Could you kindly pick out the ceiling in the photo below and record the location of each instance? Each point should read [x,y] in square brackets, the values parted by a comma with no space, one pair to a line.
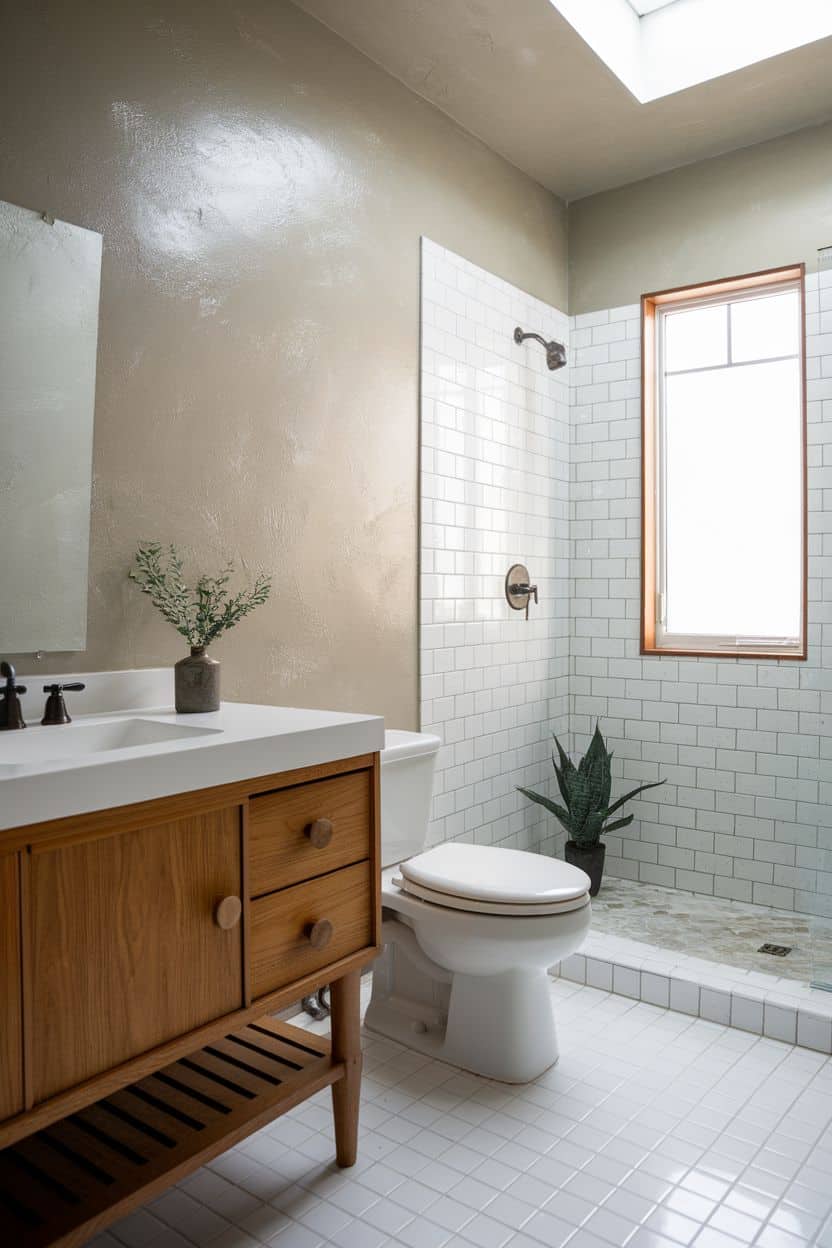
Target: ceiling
[515,73]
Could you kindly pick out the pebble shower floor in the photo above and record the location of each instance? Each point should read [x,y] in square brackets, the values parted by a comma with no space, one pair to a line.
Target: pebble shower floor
[655,1129]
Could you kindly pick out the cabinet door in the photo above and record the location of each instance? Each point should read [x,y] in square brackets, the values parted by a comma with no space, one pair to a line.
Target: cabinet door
[11,1038]
[126,951]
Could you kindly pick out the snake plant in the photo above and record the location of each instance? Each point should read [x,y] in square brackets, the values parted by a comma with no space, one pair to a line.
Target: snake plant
[585,790]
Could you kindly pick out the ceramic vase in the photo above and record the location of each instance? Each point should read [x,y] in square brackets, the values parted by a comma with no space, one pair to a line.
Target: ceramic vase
[197,683]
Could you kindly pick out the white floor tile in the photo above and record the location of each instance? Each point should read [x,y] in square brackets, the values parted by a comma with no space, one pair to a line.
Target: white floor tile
[655,1130]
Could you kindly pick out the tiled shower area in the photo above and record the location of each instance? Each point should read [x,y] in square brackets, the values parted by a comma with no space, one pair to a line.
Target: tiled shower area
[494,492]
[734,851]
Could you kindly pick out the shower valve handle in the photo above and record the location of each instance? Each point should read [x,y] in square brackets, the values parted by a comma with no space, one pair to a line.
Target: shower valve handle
[530,591]
[519,590]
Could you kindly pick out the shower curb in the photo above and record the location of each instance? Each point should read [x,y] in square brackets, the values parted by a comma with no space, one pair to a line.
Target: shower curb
[794,1014]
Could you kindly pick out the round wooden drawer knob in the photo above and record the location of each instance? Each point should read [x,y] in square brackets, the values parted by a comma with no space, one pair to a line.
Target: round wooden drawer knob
[319,833]
[227,912]
[319,934]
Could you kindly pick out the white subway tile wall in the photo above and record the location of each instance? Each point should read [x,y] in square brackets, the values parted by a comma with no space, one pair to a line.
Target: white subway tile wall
[494,491]
[745,747]
[523,464]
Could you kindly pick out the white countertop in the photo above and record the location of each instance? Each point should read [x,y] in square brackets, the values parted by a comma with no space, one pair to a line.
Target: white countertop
[243,742]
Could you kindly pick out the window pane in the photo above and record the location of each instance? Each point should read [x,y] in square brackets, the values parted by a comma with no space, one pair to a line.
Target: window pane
[761,328]
[696,338]
[733,501]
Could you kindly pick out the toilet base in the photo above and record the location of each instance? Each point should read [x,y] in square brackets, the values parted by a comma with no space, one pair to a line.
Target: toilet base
[498,1026]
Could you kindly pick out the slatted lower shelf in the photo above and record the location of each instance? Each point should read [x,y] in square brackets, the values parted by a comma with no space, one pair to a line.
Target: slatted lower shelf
[66,1182]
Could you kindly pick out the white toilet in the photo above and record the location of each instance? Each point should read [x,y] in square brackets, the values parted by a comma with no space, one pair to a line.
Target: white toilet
[469,933]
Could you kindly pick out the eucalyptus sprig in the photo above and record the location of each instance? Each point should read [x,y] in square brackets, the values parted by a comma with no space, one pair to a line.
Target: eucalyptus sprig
[200,614]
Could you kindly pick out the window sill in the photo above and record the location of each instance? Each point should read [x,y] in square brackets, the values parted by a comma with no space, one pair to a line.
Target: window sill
[690,653]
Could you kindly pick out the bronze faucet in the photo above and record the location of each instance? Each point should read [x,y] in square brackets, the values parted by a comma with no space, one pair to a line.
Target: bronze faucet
[11,714]
[56,712]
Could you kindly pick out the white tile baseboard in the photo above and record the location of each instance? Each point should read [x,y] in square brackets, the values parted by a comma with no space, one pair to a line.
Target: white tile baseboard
[762,1004]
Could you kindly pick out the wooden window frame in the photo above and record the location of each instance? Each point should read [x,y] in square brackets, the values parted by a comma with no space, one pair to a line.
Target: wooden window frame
[650,304]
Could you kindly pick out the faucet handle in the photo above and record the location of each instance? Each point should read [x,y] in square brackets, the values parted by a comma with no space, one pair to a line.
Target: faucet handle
[55,711]
[531,592]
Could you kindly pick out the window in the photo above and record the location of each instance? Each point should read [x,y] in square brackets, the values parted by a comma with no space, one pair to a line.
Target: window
[724,468]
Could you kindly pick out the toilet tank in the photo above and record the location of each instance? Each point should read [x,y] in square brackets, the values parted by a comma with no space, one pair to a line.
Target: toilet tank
[407,765]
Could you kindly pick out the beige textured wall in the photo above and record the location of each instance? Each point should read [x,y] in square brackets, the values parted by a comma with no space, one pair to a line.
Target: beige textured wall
[261,188]
[756,208]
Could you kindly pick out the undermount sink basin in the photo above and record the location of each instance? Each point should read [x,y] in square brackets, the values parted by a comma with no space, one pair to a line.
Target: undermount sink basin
[52,744]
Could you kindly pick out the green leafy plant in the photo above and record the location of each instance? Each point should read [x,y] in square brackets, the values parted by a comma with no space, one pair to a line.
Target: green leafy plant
[585,790]
[200,613]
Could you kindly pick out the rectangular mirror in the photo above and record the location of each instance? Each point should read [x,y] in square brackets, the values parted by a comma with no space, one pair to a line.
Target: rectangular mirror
[50,277]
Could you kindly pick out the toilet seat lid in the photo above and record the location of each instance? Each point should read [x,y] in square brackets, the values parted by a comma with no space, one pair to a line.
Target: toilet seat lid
[493,875]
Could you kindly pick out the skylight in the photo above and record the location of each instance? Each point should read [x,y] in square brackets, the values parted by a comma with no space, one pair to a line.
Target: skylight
[658,47]
[649,6]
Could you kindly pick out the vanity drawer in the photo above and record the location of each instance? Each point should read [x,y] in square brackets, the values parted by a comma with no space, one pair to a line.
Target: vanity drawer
[284,946]
[302,832]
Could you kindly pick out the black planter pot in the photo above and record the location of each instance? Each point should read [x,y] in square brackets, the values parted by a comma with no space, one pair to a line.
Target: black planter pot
[590,860]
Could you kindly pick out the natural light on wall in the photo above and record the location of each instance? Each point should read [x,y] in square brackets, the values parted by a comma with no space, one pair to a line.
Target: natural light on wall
[657,47]
[724,469]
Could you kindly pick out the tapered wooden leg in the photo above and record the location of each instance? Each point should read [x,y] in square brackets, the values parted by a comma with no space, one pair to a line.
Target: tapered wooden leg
[346,1048]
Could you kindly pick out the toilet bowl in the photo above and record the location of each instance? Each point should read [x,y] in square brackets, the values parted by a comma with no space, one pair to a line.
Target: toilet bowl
[469,933]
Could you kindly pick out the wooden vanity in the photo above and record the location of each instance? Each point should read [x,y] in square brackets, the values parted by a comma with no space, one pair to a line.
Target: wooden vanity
[143,953]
